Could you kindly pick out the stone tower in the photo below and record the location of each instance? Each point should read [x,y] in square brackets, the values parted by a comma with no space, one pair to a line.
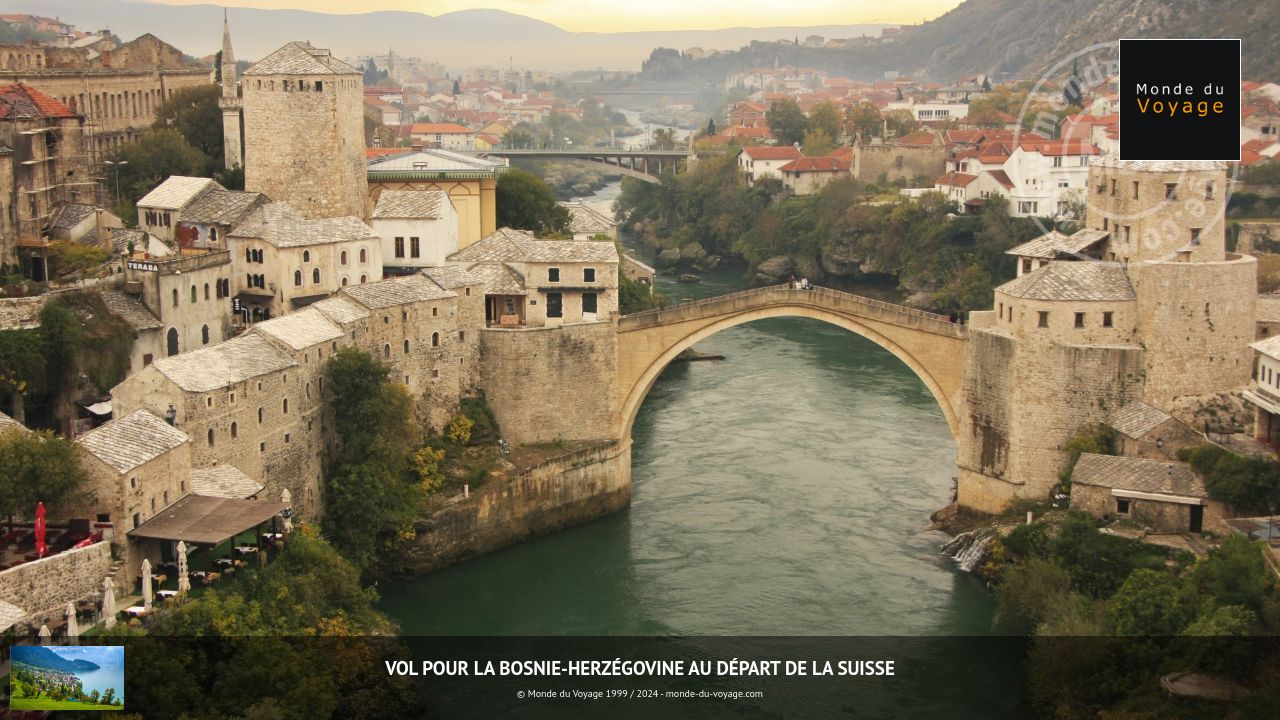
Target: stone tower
[232,142]
[304,132]
[1144,303]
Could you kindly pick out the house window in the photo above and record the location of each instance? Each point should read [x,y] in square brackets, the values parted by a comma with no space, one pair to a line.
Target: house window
[1195,236]
[555,305]
[1057,161]
[1113,188]
[259,416]
[1208,191]
[406,347]
[415,249]
[172,341]
[435,339]
[589,302]
[235,431]
[206,291]
[364,279]
[399,247]
[1044,318]
[306,256]
[588,275]
[1170,191]
[1107,319]
[1026,265]
[315,276]
[285,406]
[175,297]
[297,278]
[362,257]
[262,447]
[193,293]
[1122,506]
[1079,319]
[286,438]
[1135,189]
[204,335]
[553,275]
[137,519]
[1027,207]
[386,350]
[210,437]
[342,257]
[435,312]
[435,373]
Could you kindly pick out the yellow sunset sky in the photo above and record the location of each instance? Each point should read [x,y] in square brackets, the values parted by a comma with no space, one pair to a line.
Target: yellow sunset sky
[626,15]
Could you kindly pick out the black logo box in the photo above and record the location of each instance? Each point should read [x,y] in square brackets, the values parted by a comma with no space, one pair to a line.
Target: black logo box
[1194,65]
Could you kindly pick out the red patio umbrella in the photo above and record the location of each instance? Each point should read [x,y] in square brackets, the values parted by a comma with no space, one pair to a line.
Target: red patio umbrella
[41,548]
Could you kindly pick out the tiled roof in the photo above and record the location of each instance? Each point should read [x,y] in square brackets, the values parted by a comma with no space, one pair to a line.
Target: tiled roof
[771,152]
[451,277]
[175,192]
[1269,347]
[8,423]
[68,215]
[499,279]
[434,160]
[440,129]
[919,138]
[1138,475]
[1086,280]
[129,309]
[127,442]
[507,245]
[280,225]
[1267,308]
[300,58]
[397,291]
[585,219]
[223,481]
[956,179]
[1053,243]
[1001,177]
[226,363]
[23,101]
[300,330]
[632,261]
[121,237]
[1114,161]
[341,309]
[825,163]
[424,204]
[1137,419]
[222,207]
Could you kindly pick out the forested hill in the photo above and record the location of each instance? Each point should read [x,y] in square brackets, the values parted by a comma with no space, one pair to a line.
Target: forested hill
[1010,36]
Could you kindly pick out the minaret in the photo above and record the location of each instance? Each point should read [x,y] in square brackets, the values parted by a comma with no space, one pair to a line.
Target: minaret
[232,145]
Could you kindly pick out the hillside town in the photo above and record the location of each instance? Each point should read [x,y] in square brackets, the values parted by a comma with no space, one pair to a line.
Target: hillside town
[1122,361]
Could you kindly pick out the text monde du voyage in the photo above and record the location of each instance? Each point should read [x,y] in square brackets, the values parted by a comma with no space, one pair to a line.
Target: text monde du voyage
[641,668]
[1179,99]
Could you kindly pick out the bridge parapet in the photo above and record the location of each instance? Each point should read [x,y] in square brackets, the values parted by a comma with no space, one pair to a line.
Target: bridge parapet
[818,297]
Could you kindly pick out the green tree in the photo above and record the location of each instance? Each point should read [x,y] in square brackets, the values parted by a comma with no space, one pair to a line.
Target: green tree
[711,126]
[825,116]
[1234,573]
[1027,593]
[1248,484]
[818,142]
[37,466]
[194,113]
[153,158]
[901,122]
[664,139]
[526,203]
[1150,602]
[787,122]
[863,120]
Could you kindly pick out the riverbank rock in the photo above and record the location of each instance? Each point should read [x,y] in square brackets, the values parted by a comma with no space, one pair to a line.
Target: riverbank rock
[776,268]
[669,258]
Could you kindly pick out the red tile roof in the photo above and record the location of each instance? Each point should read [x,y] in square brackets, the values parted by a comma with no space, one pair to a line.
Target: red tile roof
[441,129]
[20,100]
[956,179]
[919,138]
[770,152]
[1001,177]
[383,152]
[825,163]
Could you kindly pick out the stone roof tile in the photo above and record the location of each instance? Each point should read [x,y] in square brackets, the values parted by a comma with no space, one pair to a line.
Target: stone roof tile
[452,277]
[507,245]
[1138,475]
[1086,280]
[176,192]
[129,309]
[127,442]
[1137,419]
[499,279]
[410,204]
[300,58]
[224,481]
[282,226]
[397,291]
[222,207]
[226,363]
[1054,243]
[301,329]
[341,309]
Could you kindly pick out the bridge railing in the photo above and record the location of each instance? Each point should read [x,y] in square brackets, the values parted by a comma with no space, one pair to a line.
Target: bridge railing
[937,323]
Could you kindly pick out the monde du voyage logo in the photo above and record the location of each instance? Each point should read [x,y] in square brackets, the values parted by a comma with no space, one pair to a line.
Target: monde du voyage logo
[1180,99]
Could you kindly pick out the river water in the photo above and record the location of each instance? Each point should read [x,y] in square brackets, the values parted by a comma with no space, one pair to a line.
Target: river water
[784,490]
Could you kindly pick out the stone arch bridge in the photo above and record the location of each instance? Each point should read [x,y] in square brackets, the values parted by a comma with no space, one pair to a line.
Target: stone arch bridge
[647,165]
[931,345]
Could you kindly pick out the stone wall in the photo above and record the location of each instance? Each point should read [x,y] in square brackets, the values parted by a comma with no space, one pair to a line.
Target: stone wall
[1258,237]
[550,384]
[1161,517]
[44,587]
[898,162]
[568,490]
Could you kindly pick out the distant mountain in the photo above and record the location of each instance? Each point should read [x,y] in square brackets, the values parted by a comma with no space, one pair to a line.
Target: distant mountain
[459,40]
[1019,38]
[42,657]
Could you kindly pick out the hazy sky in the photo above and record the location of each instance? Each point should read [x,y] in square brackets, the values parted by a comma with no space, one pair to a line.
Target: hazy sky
[622,15]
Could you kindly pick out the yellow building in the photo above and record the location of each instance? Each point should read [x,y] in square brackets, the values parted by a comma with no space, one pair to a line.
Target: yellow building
[471,183]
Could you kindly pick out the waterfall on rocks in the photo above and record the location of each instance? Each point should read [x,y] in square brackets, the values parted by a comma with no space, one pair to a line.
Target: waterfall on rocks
[969,548]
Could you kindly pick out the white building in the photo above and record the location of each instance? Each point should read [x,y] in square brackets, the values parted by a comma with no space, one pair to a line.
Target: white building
[419,228]
[927,111]
[761,161]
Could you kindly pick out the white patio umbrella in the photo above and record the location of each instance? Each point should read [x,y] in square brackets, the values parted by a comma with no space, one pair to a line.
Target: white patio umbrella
[45,635]
[108,603]
[146,585]
[287,499]
[73,630]
[184,582]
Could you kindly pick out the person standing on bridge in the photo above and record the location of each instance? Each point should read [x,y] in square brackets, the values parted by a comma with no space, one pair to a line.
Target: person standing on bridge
[804,284]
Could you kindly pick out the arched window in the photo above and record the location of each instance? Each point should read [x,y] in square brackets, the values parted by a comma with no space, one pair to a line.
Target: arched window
[285,405]
[173,340]
[344,282]
[234,431]
[342,257]
[406,347]
[297,277]
[248,279]
[364,279]
[175,297]
[315,276]
[435,339]
[362,257]
[204,335]
[193,293]
[306,256]
[210,437]
[206,291]
[248,255]
[213,234]
[386,351]
[259,416]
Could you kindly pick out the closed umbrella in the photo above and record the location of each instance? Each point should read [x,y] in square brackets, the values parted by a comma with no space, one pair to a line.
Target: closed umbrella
[287,499]
[73,630]
[184,582]
[146,585]
[41,548]
[45,635]
[108,604]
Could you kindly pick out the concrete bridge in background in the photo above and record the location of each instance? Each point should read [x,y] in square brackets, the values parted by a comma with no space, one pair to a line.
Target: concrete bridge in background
[646,165]
[931,345]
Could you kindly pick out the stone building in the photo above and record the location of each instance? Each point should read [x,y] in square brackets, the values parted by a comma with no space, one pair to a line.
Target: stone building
[188,295]
[470,182]
[118,91]
[1165,496]
[160,210]
[1164,317]
[290,261]
[43,163]
[920,154]
[1263,392]
[194,213]
[1146,431]
[229,102]
[304,132]
[536,283]
[585,222]
[419,229]
[808,175]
